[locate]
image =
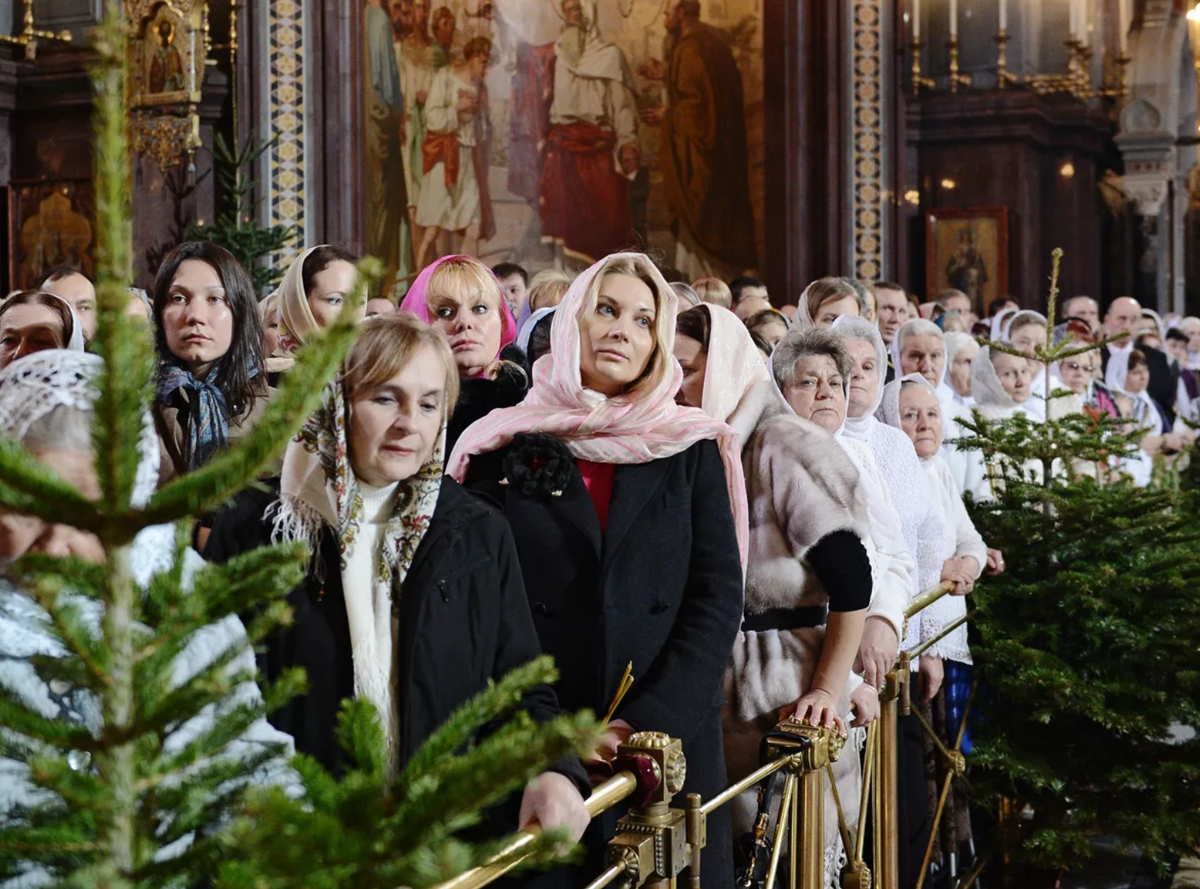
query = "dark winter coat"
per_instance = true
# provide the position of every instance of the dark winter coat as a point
(663, 589)
(463, 621)
(479, 397)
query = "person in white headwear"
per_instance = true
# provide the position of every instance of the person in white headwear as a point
(809, 570)
(47, 403)
(1026, 330)
(920, 347)
(961, 349)
(32, 321)
(827, 299)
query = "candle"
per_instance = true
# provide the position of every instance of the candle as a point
(916, 17)
(953, 19)
(1003, 16)
(1072, 12)
(1123, 24)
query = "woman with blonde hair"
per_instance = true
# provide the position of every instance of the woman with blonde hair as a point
(459, 297)
(713, 291)
(629, 513)
(362, 485)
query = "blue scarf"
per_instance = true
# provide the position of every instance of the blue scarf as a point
(208, 420)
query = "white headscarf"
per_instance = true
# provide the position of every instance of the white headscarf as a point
(1145, 411)
(851, 328)
(37, 384)
(75, 342)
(923, 327)
(531, 322)
(804, 319)
(889, 407)
(733, 367)
(1000, 324)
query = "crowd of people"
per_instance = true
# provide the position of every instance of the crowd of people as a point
(738, 499)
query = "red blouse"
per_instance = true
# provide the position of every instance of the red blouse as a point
(598, 479)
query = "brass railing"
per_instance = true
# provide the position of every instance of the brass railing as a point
(655, 842)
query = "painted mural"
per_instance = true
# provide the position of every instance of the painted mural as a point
(553, 132)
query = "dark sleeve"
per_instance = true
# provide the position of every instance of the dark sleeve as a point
(518, 644)
(238, 526)
(682, 686)
(841, 563)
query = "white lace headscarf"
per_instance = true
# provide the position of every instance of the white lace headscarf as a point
(39, 383)
(76, 342)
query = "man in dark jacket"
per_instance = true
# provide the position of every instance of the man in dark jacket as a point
(1121, 319)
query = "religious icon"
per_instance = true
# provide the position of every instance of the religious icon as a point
(48, 227)
(166, 67)
(568, 138)
(967, 249)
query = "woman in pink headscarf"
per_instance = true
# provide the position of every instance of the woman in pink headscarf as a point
(459, 297)
(629, 515)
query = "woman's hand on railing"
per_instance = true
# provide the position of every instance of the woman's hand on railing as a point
(552, 801)
(959, 573)
(818, 707)
(932, 672)
(865, 703)
(877, 652)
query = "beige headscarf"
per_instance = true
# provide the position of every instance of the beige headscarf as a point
(296, 319)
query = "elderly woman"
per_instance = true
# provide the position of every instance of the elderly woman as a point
(961, 349)
(911, 405)
(459, 297)
(33, 321)
(209, 336)
(627, 511)
(808, 573)
(920, 347)
(47, 406)
(827, 299)
(1026, 331)
(362, 484)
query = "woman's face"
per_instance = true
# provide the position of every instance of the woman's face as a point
(921, 419)
(773, 331)
(395, 426)
(1145, 325)
(864, 377)
(21, 534)
(271, 329)
(616, 339)
(1078, 370)
(330, 288)
(1027, 337)
(380, 306)
(833, 309)
(923, 354)
(26, 329)
(694, 361)
(960, 368)
(469, 318)
(816, 392)
(1137, 379)
(197, 318)
(1014, 374)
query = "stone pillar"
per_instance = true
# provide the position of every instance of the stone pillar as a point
(1149, 154)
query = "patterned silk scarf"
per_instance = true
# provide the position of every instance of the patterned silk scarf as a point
(207, 431)
(319, 491)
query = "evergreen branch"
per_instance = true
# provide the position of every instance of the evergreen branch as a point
(298, 396)
(30, 487)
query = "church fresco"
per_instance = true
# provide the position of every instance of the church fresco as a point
(552, 132)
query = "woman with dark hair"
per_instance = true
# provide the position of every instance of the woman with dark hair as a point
(34, 321)
(629, 516)
(313, 291)
(770, 324)
(209, 338)
(459, 297)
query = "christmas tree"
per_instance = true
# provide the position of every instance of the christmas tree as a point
(141, 801)
(1086, 647)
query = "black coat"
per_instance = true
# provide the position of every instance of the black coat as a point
(464, 621)
(663, 589)
(479, 397)
(1164, 379)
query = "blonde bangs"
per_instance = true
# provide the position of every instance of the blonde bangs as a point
(385, 346)
(460, 280)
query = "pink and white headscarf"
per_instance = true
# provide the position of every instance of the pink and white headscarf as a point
(416, 300)
(621, 430)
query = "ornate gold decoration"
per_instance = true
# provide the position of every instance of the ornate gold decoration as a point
(30, 35)
(165, 139)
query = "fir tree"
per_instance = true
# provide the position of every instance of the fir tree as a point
(123, 809)
(1086, 646)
